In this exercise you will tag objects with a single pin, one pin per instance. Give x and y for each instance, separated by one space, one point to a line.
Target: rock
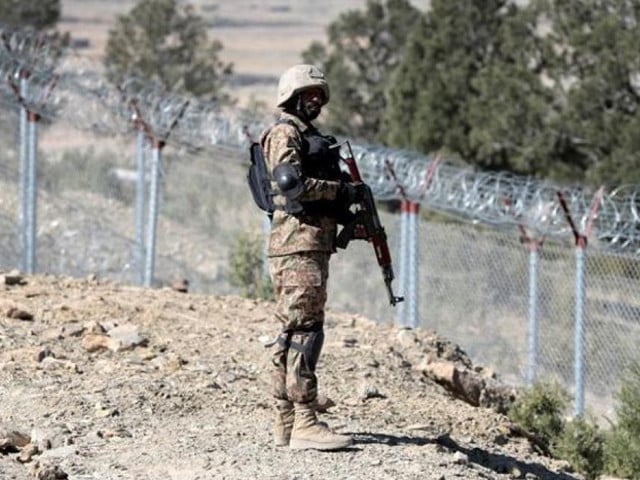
51 473
51 363
44 353
469 385
126 337
14 277
370 391
19 314
173 363
516 472
123 337
180 285
12 440
93 342
94 327
323 403
28 452
119 433
420 426
350 342
460 458
407 337
497 396
73 330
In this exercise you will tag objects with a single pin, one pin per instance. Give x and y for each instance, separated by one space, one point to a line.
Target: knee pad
309 344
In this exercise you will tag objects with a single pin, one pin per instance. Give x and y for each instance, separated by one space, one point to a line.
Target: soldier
313 196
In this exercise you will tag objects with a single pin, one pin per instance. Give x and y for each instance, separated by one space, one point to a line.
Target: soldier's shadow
497 462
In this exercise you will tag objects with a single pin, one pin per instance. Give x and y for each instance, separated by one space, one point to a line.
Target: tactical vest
320 158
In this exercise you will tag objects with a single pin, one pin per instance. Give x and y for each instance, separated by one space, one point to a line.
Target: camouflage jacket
300 232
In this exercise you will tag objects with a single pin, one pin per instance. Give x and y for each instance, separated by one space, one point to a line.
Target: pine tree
598 71
39 14
470 83
165 41
364 48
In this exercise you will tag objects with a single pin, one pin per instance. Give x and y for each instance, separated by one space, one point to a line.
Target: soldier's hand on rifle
351 193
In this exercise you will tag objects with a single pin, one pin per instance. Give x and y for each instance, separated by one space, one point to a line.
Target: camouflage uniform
300 246
304 166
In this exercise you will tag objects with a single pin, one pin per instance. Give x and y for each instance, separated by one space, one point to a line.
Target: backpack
259 179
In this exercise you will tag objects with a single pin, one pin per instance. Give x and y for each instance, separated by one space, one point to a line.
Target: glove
351 193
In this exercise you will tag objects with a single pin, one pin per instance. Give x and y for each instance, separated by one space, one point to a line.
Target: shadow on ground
499 463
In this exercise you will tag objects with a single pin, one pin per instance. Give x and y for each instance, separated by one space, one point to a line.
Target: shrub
246 267
582 445
539 411
622 450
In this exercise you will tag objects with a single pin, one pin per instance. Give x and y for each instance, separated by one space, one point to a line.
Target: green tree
39 14
364 48
599 46
167 42
470 82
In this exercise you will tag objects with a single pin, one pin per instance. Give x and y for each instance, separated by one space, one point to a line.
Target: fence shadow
497 462
500 463
391 440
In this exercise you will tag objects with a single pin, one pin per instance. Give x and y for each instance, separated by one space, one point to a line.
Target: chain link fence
475 289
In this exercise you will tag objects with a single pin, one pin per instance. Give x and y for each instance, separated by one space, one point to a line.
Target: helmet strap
300 110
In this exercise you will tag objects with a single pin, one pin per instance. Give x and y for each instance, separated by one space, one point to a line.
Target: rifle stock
367 216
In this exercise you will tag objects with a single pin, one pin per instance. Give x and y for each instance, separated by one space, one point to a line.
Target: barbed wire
27 67
72 89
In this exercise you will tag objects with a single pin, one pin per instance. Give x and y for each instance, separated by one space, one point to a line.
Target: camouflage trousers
300 287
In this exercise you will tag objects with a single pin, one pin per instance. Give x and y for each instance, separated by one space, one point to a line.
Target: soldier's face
312 101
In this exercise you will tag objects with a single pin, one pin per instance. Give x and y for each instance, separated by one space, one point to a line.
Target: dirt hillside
105 381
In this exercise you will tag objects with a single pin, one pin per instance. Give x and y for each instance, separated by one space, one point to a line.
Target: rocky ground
105 381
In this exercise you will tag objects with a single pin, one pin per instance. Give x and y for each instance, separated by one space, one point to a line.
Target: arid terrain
106 381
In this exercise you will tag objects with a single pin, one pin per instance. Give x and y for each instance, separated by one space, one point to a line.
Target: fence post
158 141
579 334
533 315
139 254
24 179
32 192
152 220
413 260
533 245
405 246
403 260
410 244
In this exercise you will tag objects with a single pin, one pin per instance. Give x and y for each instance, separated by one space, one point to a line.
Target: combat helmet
299 77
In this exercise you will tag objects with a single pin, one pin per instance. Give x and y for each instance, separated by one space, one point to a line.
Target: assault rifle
366 225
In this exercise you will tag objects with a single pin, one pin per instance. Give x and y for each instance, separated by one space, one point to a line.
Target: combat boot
309 433
283 424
